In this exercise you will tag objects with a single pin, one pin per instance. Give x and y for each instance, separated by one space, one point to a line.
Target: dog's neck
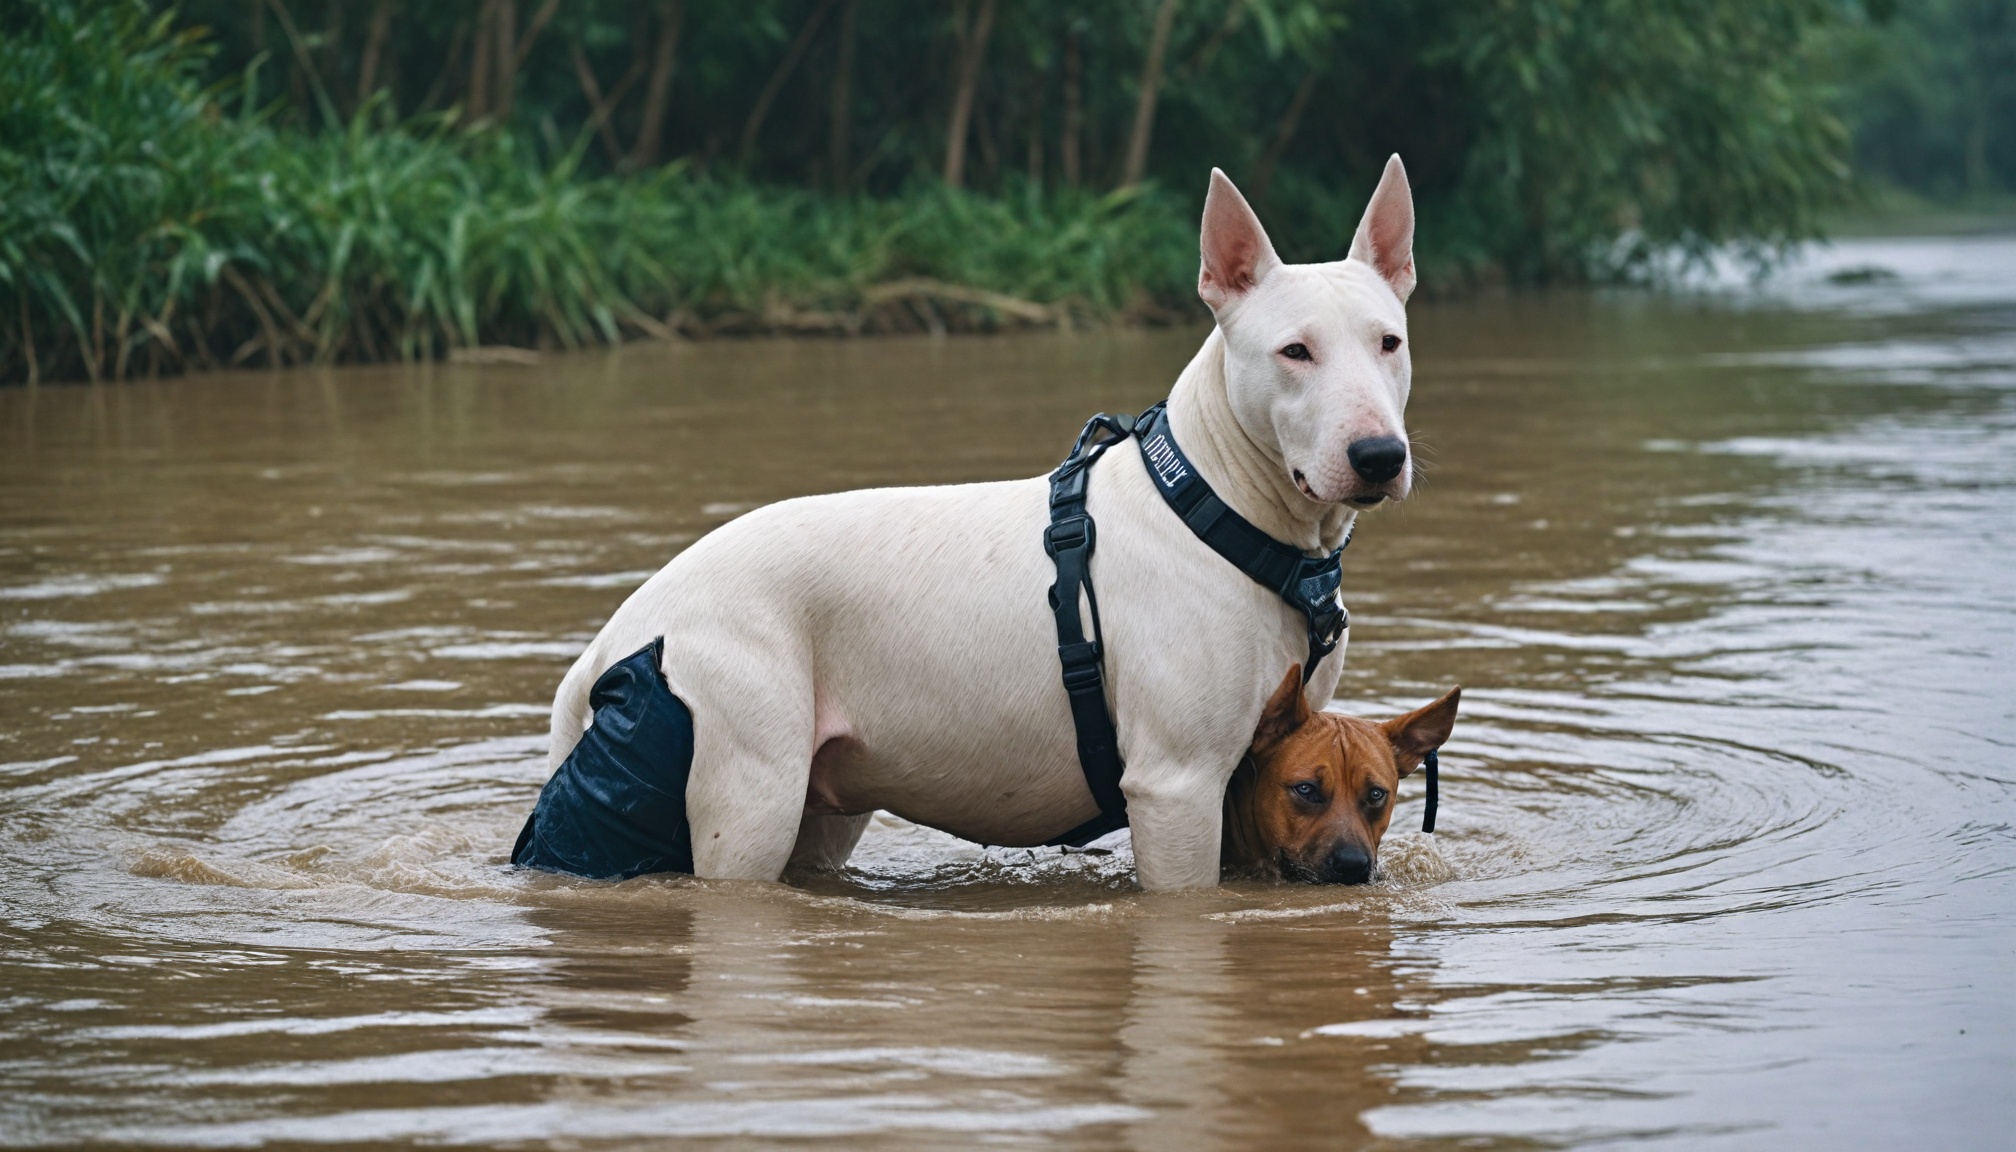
1249 476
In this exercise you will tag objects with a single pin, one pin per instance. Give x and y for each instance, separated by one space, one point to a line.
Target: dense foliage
147 223
1934 102
262 181
1537 132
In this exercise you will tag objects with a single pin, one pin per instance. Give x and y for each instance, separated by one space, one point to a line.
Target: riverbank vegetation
268 182
1933 104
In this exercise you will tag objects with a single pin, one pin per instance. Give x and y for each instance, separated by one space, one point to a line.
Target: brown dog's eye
1376 798
1300 351
1307 791
1391 343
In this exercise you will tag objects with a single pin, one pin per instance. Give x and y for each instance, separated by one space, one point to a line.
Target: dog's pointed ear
1421 731
1286 711
1237 254
1385 237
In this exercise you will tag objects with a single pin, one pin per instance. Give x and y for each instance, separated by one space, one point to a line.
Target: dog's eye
1376 798
1391 343
1307 790
1297 351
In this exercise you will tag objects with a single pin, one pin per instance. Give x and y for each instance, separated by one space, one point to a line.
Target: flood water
1727 831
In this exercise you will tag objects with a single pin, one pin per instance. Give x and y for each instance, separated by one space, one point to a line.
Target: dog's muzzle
1347 865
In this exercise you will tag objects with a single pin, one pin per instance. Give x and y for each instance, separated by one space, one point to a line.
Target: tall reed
150 224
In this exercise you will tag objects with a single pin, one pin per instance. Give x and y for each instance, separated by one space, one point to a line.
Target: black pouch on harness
617 807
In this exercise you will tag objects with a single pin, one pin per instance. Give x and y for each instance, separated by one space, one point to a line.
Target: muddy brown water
1728 577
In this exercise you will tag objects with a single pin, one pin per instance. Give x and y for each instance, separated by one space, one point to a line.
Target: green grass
148 224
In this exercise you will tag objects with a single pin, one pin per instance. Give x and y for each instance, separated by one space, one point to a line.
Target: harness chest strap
1308 584
1070 540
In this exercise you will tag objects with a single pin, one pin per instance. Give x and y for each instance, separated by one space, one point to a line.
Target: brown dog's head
1316 791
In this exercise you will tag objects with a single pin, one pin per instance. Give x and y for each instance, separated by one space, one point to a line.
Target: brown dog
1316 791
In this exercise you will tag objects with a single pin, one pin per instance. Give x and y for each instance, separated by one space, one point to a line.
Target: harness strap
1070 540
1431 762
1308 584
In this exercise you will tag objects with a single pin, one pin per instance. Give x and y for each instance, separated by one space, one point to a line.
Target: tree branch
539 21
1263 173
600 107
840 100
785 67
1151 86
658 93
972 51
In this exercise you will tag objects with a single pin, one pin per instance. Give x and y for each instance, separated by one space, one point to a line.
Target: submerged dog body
892 648
1315 793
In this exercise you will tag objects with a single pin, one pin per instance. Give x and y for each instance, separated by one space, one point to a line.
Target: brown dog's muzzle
1347 864
1343 864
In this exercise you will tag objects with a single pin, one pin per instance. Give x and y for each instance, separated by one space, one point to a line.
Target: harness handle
1431 762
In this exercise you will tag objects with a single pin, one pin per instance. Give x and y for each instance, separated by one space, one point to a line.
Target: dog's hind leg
744 803
826 841
753 730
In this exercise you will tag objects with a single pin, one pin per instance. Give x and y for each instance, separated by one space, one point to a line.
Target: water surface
1724 859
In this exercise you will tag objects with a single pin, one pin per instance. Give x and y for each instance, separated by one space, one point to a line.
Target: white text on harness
1162 458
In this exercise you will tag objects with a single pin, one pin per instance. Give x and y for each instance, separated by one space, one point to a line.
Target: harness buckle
1316 593
1068 532
1329 623
1080 661
1117 426
1083 678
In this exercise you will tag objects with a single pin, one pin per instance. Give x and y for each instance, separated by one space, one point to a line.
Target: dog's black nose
1348 865
1378 458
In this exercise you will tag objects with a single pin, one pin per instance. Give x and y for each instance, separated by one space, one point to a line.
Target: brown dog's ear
1421 731
1286 711
1237 254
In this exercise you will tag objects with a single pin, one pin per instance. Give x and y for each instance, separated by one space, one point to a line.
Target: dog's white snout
1364 471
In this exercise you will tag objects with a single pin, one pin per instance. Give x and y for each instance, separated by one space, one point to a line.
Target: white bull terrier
893 649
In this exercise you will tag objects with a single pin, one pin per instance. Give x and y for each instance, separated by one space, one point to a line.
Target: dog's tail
571 714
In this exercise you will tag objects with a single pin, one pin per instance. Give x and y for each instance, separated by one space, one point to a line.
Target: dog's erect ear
1286 711
1421 731
1385 237
1237 254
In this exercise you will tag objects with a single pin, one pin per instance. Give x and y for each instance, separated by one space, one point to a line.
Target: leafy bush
148 223
155 214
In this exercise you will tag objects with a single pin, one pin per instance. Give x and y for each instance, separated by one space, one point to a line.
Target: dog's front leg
1175 811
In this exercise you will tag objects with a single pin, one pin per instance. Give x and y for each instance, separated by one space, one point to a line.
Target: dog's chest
939 692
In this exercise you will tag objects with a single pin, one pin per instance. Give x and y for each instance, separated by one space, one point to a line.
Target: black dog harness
1308 584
